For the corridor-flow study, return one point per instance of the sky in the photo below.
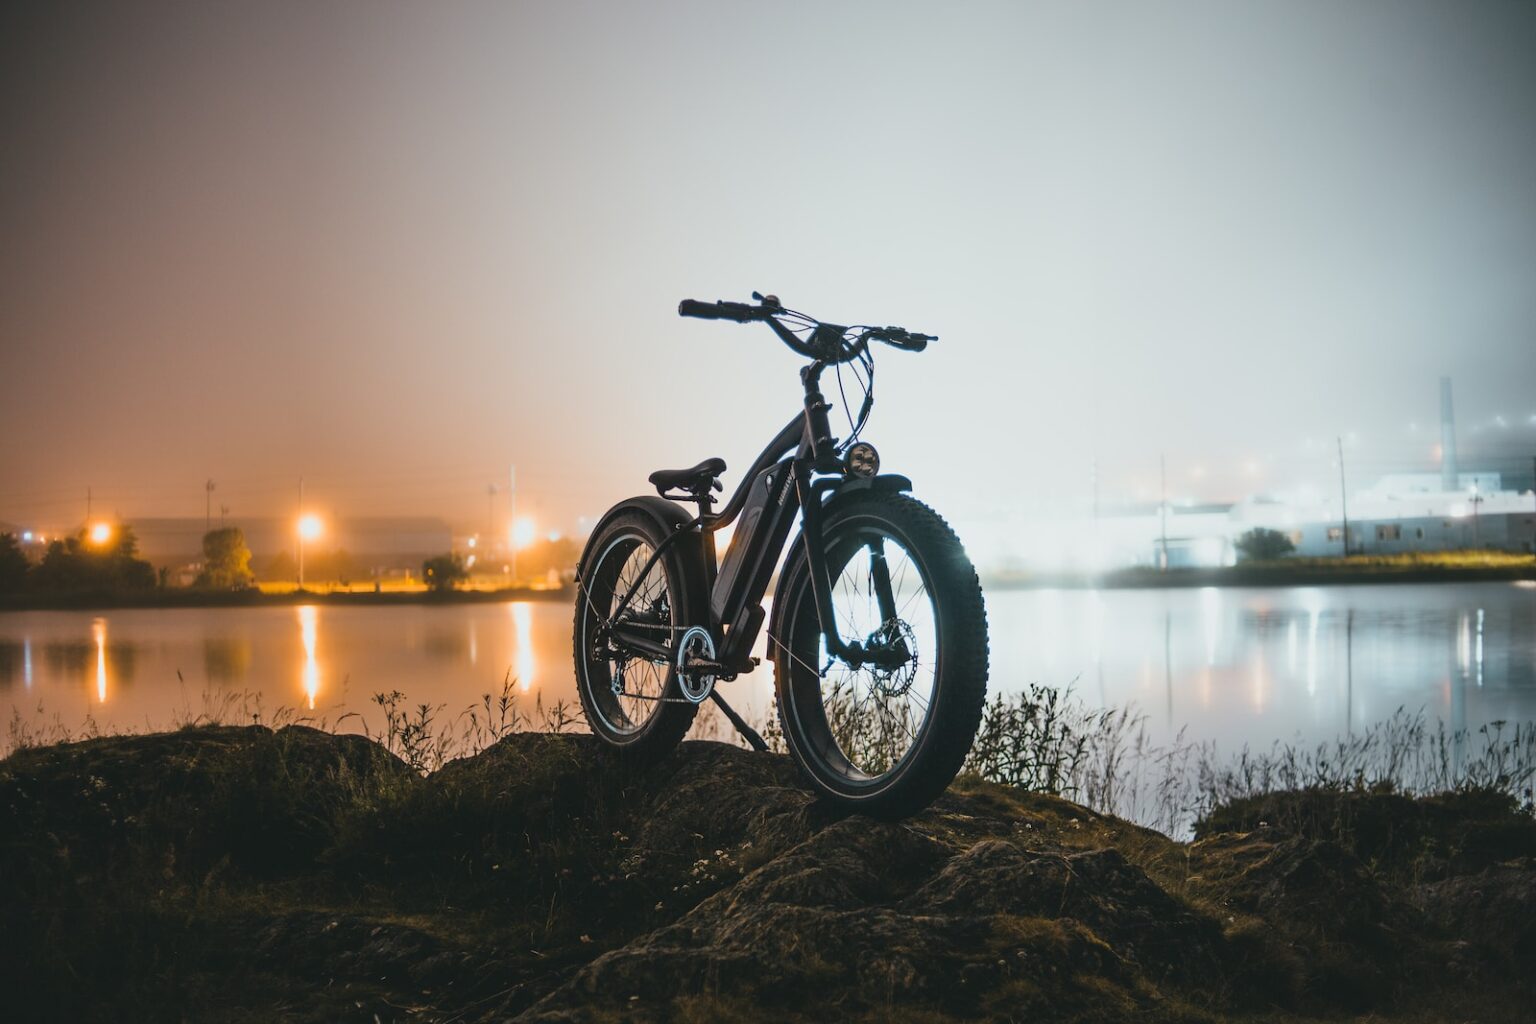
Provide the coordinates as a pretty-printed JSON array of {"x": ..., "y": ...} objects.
[{"x": 395, "y": 249}]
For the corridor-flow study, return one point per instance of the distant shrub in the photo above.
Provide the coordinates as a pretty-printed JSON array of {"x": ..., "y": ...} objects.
[
  {"x": 226, "y": 559},
  {"x": 444, "y": 572},
  {"x": 1263, "y": 545}
]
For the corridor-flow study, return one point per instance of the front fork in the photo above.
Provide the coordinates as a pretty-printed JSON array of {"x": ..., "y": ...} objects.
[{"x": 810, "y": 493}]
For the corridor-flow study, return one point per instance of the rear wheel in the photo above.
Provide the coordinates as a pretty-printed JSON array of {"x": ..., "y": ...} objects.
[
  {"x": 884, "y": 737},
  {"x": 632, "y": 701}
]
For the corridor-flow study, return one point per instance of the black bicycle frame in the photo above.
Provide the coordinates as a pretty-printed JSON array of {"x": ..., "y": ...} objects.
[{"x": 791, "y": 488}]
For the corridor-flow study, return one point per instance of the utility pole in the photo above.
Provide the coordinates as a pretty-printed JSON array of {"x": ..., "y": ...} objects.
[
  {"x": 1343, "y": 497},
  {"x": 299, "y": 527},
  {"x": 1163, "y": 558},
  {"x": 490, "y": 516},
  {"x": 87, "y": 506},
  {"x": 223, "y": 511},
  {"x": 512, "y": 517},
  {"x": 208, "y": 507}
]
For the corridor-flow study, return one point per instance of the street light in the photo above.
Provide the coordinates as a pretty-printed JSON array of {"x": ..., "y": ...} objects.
[
  {"x": 522, "y": 536},
  {"x": 101, "y": 533},
  {"x": 522, "y": 532},
  {"x": 310, "y": 528}
]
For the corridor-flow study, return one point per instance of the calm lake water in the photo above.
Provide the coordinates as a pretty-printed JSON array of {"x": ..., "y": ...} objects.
[{"x": 1232, "y": 665}]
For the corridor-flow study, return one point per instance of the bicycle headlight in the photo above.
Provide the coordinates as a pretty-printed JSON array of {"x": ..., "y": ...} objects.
[{"x": 862, "y": 460}]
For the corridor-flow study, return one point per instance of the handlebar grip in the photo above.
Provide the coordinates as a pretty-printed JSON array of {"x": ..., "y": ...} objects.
[
  {"x": 738, "y": 311},
  {"x": 693, "y": 307},
  {"x": 907, "y": 341}
]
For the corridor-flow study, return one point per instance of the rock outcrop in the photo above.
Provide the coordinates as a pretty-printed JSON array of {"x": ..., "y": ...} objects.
[{"x": 244, "y": 874}]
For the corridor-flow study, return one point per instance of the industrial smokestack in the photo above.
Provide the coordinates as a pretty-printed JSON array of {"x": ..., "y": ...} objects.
[{"x": 1448, "y": 476}]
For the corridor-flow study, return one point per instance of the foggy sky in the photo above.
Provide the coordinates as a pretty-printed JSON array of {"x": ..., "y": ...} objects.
[{"x": 394, "y": 249}]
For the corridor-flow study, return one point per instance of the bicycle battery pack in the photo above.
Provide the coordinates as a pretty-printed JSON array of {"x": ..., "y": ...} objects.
[{"x": 766, "y": 517}]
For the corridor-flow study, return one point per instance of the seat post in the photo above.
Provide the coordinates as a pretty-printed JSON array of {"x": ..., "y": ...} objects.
[{"x": 711, "y": 556}]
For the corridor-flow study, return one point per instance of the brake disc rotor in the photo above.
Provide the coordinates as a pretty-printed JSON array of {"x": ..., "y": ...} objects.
[{"x": 894, "y": 682}]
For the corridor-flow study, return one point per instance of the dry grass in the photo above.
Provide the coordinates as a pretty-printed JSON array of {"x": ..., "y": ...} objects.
[{"x": 1041, "y": 740}]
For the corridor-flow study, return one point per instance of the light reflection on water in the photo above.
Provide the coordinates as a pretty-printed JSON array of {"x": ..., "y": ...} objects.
[
  {"x": 99, "y": 633},
  {"x": 309, "y": 619},
  {"x": 1237, "y": 666},
  {"x": 522, "y": 627}
]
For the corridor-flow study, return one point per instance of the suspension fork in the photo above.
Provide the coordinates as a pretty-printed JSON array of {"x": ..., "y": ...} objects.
[
  {"x": 819, "y": 452},
  {"x": 810, "y": 492},
  {"x": 880, "y": 574}
]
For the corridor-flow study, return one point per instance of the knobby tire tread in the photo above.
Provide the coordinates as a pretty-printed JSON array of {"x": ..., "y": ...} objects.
[
  {"x": 671, "y": 721},
  {"x": 957, "y": 591}
]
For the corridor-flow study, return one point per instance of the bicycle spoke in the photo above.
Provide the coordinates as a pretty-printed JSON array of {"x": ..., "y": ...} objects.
[
  {"x": 908, "y": 602},
  {"x": 878, "y": 710},
  {"x": 635, "y": 683}
]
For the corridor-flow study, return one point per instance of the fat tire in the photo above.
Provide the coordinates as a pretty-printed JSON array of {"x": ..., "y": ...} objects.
[
  {"x": 670, "y": 722},
  {"x": 960, "y": 690}
]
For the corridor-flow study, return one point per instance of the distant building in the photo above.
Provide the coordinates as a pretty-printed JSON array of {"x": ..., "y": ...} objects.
[
  {"x": 1396, "y": 515},
  {"x": 380, "y": 543},
  {"x": 1409, "y": 512}
]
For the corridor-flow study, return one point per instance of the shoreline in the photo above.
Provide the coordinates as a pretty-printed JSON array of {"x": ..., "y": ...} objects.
[
  {"x": 1265, "y": 576},
  {"x": 100, "y": 601},
  {"x": 1125, "y": 579}
]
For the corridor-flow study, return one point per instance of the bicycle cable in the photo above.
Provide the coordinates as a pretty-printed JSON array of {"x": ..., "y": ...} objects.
[
  {"x": 856, "y": 353},
  {"x": 866, "y": 382}
]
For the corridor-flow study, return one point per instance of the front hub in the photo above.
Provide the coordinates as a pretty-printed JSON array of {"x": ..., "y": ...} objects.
[{"x": 888, "y": 653}]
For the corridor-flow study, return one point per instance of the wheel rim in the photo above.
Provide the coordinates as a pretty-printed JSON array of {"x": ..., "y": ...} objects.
[
  {"x": 861, "y": 726},
  {"x": 626, "y": 690}
]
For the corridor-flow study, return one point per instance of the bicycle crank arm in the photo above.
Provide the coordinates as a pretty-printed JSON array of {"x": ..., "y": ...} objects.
[{"x": 709, "y": 667}]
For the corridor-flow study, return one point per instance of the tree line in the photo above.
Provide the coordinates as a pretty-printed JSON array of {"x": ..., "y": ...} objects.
[{"x": 81, "y": 562}]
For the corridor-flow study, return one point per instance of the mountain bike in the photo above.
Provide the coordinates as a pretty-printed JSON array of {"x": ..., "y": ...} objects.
[{"x": 878, "y": 633}]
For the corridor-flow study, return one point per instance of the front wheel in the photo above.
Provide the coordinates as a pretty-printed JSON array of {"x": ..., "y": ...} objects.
[{"x": 884, "y": 737}]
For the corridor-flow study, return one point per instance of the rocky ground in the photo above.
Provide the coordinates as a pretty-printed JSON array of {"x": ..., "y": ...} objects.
[{"x": 237, "y": 874}]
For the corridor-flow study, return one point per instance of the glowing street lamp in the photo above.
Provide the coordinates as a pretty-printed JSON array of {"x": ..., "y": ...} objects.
[
  {"x": 310, "y": 528},
  {"x": 522, "y": 532},
  {"x": 521, "y": 536},
  {"x": 101, "y": 533}
]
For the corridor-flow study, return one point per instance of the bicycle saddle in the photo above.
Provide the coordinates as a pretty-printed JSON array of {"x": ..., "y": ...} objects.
[{"x": 694, "y": 479}]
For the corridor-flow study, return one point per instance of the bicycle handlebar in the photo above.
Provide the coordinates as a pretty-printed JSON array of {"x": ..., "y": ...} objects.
[
  {"x": 738, "y": 311},
  {"x": 828, "y": 342}
]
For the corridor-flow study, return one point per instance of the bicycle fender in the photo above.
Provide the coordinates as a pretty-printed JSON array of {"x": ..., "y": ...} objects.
[
  {"x": 671, "y": 517},
  {"x": 850, "y": 487},
  {"x": 884, "y": 483}
]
